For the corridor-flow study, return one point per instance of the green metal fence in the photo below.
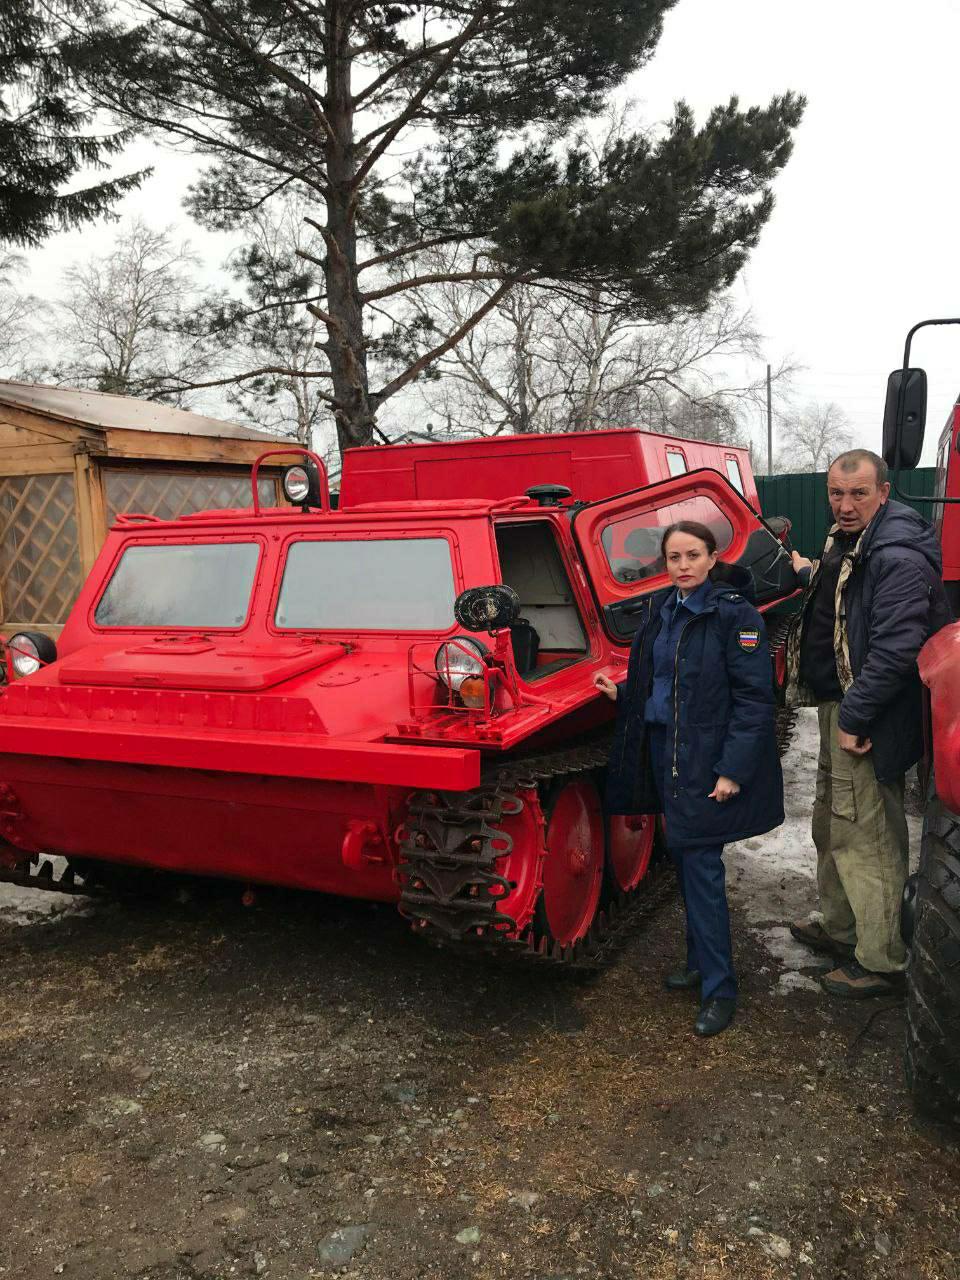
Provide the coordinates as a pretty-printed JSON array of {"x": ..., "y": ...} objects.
[{"x": 803, "y": 498}]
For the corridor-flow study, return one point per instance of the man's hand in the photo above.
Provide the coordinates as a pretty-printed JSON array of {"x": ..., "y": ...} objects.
[
  {"x": 850, "y": 743},
  {"x": 800, "y": 562},
  {"x": 725, "y": 789}
]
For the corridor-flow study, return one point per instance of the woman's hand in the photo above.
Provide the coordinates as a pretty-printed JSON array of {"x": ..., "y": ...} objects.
[
  {"x": 605, "y": 685},
  {"x": 725, "y": 789}
]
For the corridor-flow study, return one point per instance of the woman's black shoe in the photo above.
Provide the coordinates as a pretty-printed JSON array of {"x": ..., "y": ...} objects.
[
  {"x": 715, "y": 1016},
  {"x": 682, "y": 980}
]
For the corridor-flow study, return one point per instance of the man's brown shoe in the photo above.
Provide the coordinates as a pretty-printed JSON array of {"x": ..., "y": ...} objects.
[
  {"x": 813, "y": 935},
  {"x": 853, "y": 982}
]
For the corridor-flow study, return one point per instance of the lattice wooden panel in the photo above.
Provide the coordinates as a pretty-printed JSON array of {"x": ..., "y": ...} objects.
[
  {"x": 39, "y": 555},
  {"x": 169, "y": 494}
]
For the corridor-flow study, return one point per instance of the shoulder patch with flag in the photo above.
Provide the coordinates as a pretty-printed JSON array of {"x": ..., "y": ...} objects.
[{"x": 748, "y": 638}]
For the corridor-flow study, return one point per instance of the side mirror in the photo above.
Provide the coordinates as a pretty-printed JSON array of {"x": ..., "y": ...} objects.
[
  {"x": 910, "y": 385},
  {"x": 486, "y": 608}
]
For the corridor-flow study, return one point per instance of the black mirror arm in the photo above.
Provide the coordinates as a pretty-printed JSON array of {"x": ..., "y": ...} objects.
[{"x": 898, "y": 438}]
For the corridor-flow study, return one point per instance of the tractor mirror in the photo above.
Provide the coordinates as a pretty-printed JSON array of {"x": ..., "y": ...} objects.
[
  {"x": 486, "y": 608},
  {"x": 910, "y": 385}
]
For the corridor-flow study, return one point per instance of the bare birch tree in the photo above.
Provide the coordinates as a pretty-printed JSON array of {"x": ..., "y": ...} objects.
[
  {"x": 124, "y": 321},
  {"x": 20, "y": 314},
  {"x": 542, "y": 363},
  {"x": 810, "y": 437}
]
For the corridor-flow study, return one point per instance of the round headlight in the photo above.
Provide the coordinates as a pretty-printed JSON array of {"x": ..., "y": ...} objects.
[
  {"x": 296, "y": 484},
  {"x": 458, "y": 659},
  {"x": 24, "y": 655},
  {"x": 29, "y": 651}
]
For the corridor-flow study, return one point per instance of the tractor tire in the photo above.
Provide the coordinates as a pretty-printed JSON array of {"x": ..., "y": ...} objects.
[{"x": 933, "y": 972}]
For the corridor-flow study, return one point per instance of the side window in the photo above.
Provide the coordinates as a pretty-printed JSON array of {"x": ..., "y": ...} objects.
[
  {"x": 734, "y": 476},
  {"x": 676, "y": 462},
  {"x": 632, "y": 544}
]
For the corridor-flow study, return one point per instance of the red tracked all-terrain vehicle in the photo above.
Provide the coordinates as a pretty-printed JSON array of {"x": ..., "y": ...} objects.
[{"x": 393, "y": 700}]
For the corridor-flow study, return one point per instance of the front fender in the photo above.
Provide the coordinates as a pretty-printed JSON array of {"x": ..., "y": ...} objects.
[{"x": 939, "y": 664}]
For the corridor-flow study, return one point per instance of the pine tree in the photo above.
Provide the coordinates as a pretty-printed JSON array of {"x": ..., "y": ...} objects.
[
  {"x": 334, "y": 97},
  {"x": 47, "y": 131}
]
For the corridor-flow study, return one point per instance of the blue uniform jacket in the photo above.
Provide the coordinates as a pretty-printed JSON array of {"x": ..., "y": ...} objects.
[{"x": 722, "y": 721}]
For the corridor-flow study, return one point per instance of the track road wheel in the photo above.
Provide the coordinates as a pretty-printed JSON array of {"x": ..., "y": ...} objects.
[
  {"x": 573, "y": 867},
  {"x": 522, "y": 839},
  {"x": 933, "y": 972},
  {"x": 630, "y": 843}
]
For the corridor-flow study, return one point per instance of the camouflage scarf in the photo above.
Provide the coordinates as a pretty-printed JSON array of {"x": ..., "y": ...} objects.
[{"x": 797, "y": 694}]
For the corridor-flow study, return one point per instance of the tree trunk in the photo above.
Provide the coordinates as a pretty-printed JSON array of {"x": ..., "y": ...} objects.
[
  {"x": 594, "y": 358},
  {"x": 345, "y": 348}
]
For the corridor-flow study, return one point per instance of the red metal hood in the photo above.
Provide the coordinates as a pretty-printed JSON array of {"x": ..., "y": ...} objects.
[{"x": 193, "y": 662}]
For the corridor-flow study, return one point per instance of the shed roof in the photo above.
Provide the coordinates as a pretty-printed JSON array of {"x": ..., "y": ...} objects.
[{"x": 100, "y": 409}]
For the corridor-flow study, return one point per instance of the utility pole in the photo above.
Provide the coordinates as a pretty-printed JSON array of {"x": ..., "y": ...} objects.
[{"x": 769, "y": 425}]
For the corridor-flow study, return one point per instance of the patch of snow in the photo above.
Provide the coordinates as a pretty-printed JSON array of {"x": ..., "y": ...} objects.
[
  {"x": 20, "y": 906},
  {"x": 783, "y": 946},
  {"x": 771, "y": 880},
  {"x": 789, "y": 982}
]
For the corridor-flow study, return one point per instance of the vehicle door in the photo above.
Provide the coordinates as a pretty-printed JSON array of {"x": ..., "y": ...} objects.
[{"x": 619, "y": 541}]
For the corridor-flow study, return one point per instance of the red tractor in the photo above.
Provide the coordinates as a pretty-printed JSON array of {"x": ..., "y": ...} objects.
[
  {"x": 392, "y": 700},
  {"x": 931, "y": 909}
]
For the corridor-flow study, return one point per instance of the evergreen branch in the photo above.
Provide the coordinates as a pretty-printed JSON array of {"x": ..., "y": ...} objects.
[
  {"x": 426, "y": 52},
  {"x": 254, "y": 106},
  {"x": 209, "y": 141},
  {"x": 414, "y": 371},
  {"x": 244, "y": 316},
  {"x": 440, "y": 277},
  {"x": 284, "y": 75},
  {"x": 396, "y": 126},
  {"x": 330, "y": 240},
  {"x": 307, "y": 256},
  {"x": 405, "y": 250},
  {"x": 330, "y": 321},
  {"x": 279, "y": 370}
]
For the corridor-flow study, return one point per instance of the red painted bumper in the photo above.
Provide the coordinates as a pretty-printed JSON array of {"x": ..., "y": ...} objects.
[{"x": 279, "y": 756}]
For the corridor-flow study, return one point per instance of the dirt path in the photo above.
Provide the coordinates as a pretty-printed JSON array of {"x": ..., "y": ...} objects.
[{"x": 195, "y": 1090}]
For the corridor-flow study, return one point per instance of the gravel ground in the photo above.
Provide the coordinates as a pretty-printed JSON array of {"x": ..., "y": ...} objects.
[{"x": 195, "y": 1090}]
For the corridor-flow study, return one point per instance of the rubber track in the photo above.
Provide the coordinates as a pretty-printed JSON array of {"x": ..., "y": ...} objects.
[
  {"x": 933, "y": 972},
  {"x": 777, "y": 629},
  {"x": 444, "y": 853}
]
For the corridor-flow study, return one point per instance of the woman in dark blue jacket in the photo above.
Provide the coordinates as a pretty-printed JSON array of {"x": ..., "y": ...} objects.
[{"x": 696, "y": 741}]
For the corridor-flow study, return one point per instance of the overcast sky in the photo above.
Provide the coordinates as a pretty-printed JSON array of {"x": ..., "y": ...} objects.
[{"x": 862, "y": 243}]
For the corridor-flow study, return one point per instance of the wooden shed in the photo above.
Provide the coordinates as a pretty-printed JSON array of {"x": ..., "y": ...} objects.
[{"x": 71, "y": 460}]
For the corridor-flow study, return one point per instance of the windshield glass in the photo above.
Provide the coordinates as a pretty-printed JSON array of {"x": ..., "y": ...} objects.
[
  {"x": 198, "y": 585},
  {"x": 400, "y": 584}
]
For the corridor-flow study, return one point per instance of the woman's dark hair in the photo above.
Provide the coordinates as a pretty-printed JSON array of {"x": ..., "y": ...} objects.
[
  {"x": 695, "y": 529},
  {"x": 704, "y": 533}
]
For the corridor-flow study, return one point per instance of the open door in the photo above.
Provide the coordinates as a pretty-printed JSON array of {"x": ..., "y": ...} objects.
[{"x": 619, "y": 540}]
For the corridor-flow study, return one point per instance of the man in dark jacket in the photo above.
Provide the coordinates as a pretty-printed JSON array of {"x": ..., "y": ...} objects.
[{"x": 871, "y": 602}]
